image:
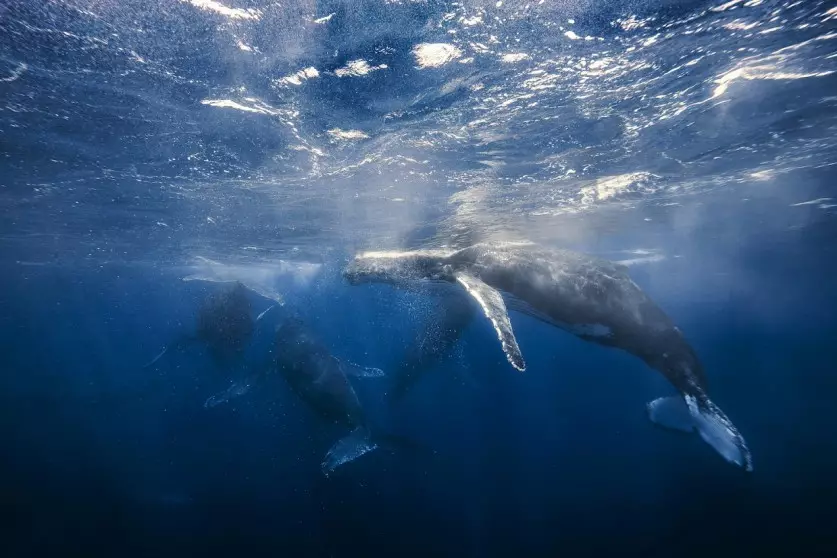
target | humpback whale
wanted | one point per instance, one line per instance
(224, 323)
(321, 380)
(592, 298)
(452, 312)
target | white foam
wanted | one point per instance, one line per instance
(305, 74)
(257, 107)
(434, 55)
(726, 6)
(642, 260)
(16, 73)
(514, 57)
(325, 19)
(471, 21)
(347, 135)
(395, 254)
(811, 202)
(611, 186)
(226, 11)
(357, 68)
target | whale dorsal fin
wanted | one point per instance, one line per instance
(492, 304)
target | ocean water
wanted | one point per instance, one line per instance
(144, 143)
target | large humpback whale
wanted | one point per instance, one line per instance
(593, 298)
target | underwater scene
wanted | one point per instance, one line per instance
(357, 278)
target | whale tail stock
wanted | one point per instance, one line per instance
(688, 413)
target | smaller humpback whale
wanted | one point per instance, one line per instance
(320, 380)
(452, 312)
(224, 323)
(592, 298)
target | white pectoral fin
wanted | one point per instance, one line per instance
(492, 304)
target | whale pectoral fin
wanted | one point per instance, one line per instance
(492, 304)
(346, 449)
(687, 414)
(352, 369)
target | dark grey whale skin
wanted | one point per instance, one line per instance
(592, 298)
(315, 375)
(453, 311)
(585, 295)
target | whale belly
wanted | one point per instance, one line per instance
(585, 329)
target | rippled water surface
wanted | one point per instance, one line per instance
(159, 130)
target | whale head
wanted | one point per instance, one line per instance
(398, 267)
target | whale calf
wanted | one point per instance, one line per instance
(592, 298)
(320, 380)
(443, 326)
(224, 324)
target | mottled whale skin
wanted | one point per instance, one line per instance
(593, 298)
(315, 375)
(320, 380)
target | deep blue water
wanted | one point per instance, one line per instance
(692, 141)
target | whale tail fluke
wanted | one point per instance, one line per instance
(359, 442)
(362, 441)
(688, 414)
